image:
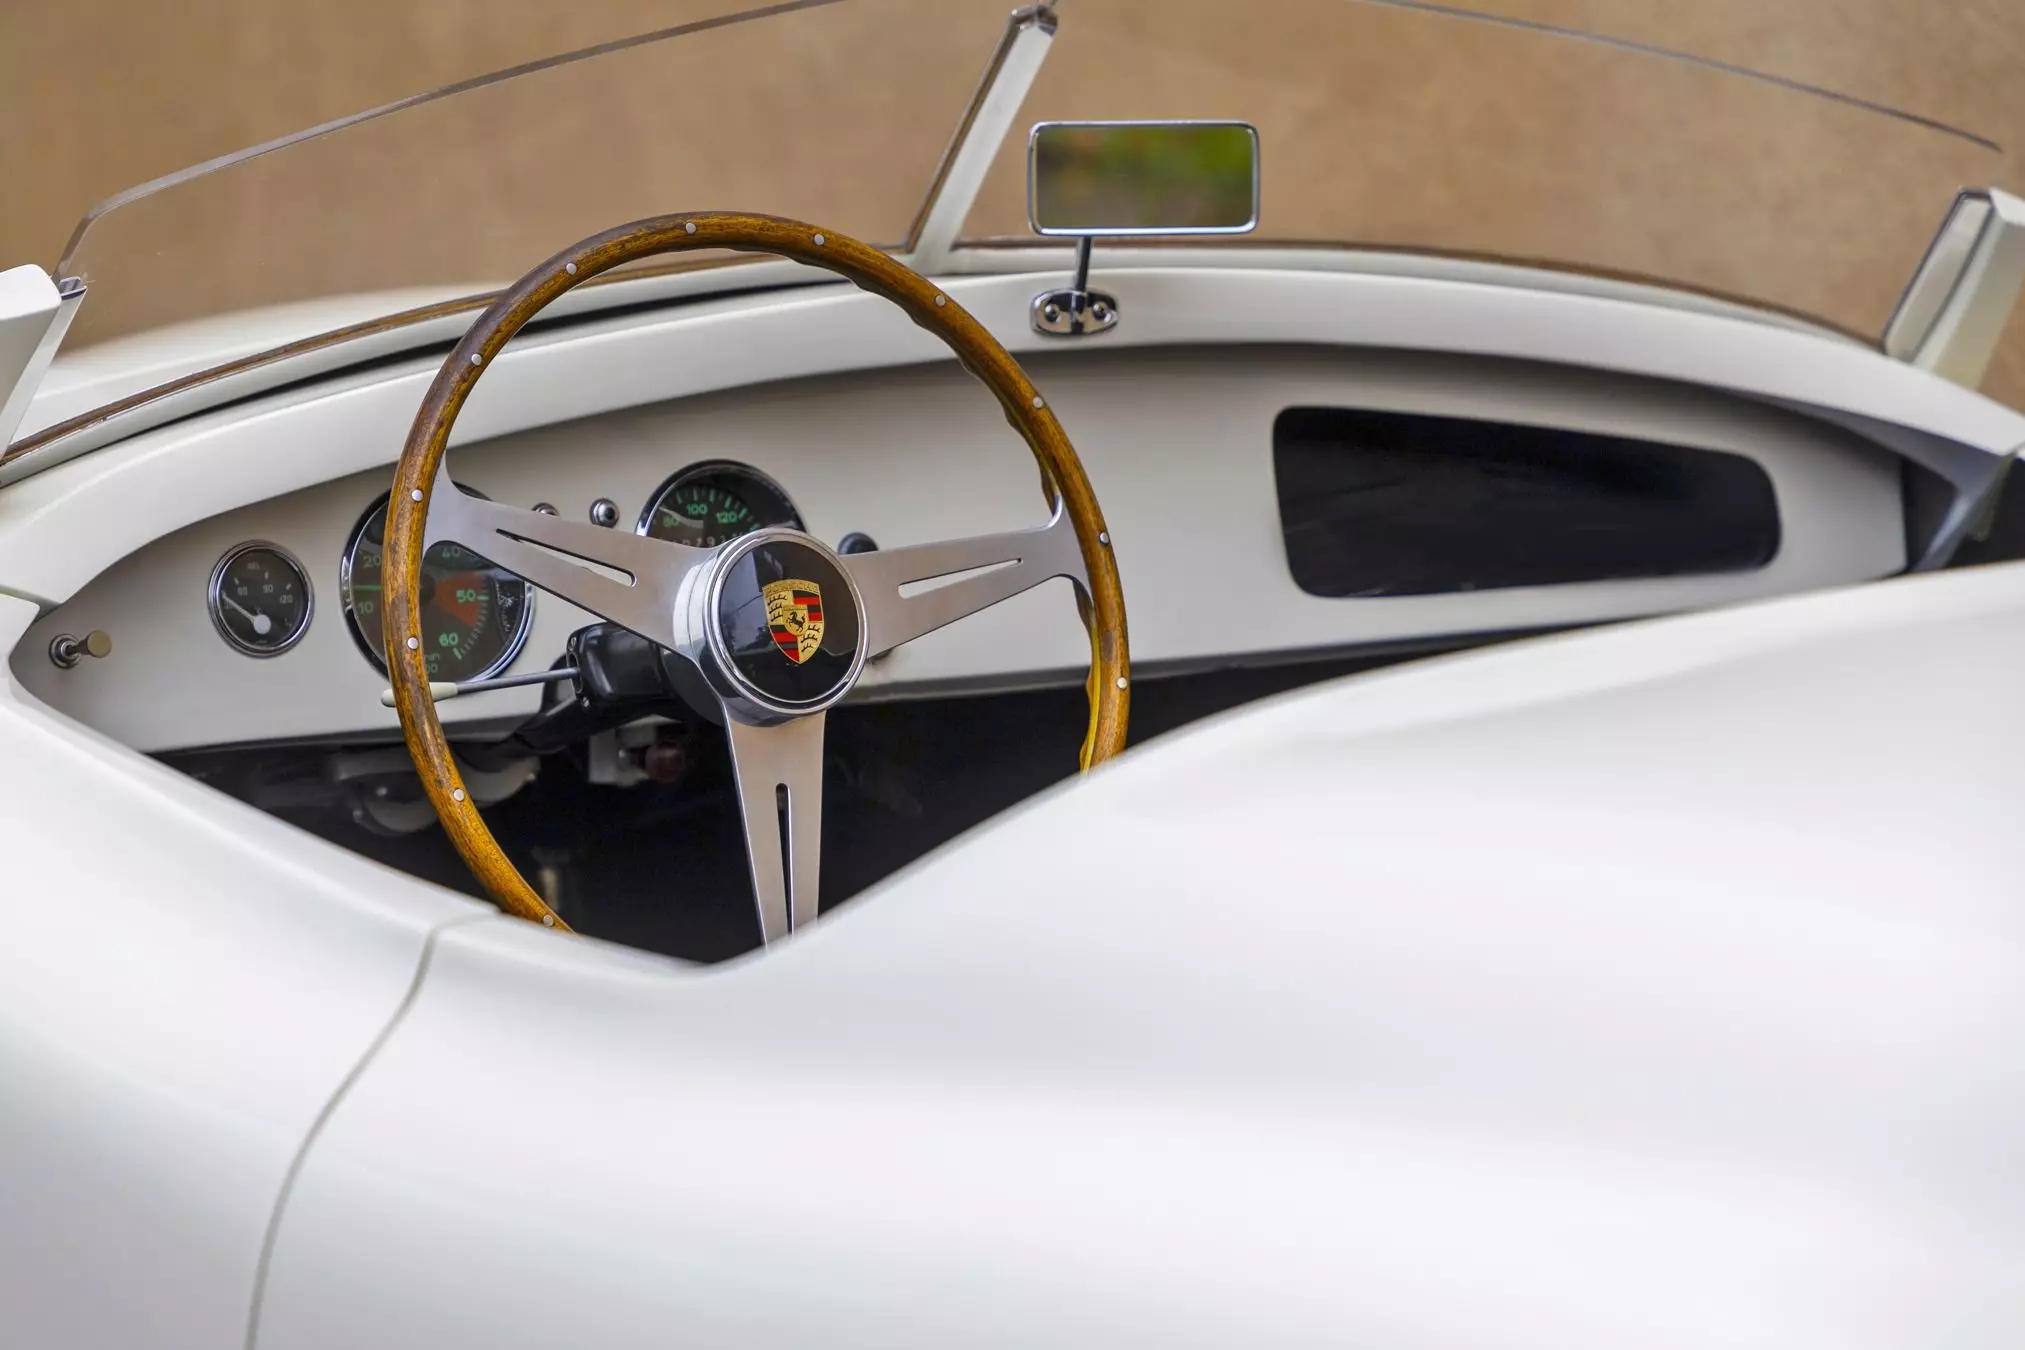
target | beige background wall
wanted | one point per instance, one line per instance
(1381, 124)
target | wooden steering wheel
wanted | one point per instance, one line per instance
(771, 628)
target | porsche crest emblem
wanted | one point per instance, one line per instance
(794, 615)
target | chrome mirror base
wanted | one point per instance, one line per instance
(1077, 311)
(1074, 313)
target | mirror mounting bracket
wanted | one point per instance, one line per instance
(1118, 179)
(1077, 311)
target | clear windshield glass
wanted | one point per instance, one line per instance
(1401, 125)
(834, 112)
(1800, 163)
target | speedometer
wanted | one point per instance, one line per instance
(710, 504)
(475, 616)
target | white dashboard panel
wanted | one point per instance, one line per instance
(1178, 443)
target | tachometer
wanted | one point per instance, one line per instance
(710, 504)
(475, 616)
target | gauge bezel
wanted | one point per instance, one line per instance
(729, 468)
(215, 602)
(508, 655)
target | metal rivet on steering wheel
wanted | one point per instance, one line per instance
(777, 625)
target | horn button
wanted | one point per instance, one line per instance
(785, 622)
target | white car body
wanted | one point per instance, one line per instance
(1655, 985)
(1499, 1001)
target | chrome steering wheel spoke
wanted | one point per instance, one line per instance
(639, 579)
(974, 574)
(776, 653)
(779, 766)
(779, 770)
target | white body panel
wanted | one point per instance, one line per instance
(29, 306)
(187, 983)
(1653, 987)
(1959, 303)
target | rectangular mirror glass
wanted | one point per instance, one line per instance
(1143, 178)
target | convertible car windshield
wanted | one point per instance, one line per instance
(1811, 187)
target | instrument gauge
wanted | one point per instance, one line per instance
(710, 504)
(260, 599)
(475, 615)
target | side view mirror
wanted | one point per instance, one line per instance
(1086, 179)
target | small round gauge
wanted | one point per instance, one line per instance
(475, 616)
(260, 599)
(710, 504)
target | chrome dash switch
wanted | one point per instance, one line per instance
(66, 650)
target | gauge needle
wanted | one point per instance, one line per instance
(261, 623)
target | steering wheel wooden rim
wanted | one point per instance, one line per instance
(415, 476)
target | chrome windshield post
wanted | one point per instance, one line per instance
(1029, 33)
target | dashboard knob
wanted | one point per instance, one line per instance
(66, 651)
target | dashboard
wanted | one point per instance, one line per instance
(1246, 490)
